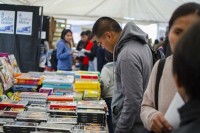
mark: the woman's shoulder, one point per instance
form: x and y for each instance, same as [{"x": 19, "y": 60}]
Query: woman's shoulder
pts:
[{"x": 61, "y": 41}]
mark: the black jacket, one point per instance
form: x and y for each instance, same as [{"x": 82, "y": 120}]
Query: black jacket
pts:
[
  {"x": 101, "y": 61},
  {"x": 93, "y": 52},
  {"x": 190, "y": 117}
]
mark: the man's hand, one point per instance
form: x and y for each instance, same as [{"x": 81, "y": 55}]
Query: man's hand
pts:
[{"x": 159, "y": 124}]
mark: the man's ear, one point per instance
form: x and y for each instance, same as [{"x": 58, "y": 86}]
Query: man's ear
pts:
[{"x": 108, "y": 34}]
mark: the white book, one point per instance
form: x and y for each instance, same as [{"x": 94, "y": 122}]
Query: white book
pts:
[{"x": 172, "y": 115}]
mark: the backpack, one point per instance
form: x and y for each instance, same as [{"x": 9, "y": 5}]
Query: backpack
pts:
[
  {"x": 156, "y": 55},
  {"x": 54, "y": 60}
]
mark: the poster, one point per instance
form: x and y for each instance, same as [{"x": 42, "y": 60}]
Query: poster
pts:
[
  {"x": 7, "y": 21},
  {"x": 24, "y": 23}
]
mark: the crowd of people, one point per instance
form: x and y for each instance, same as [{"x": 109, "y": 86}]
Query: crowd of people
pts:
[
  {"x": 138, "y": 92},
  {"x": 91, "y": 59}
]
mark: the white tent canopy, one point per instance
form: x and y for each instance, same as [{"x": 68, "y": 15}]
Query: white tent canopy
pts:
[{"x": 122, "y": 10}]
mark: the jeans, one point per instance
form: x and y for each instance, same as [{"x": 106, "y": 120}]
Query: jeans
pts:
[{"x": 91, "y": 66}]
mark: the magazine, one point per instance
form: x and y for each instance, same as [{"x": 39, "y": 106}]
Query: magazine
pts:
[
  {"x": 14, "y": 64},
  {"x": 6, "y": 74}
]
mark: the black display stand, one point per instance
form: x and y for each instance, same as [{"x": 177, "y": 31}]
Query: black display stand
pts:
[{"x": 26, "y": 48}]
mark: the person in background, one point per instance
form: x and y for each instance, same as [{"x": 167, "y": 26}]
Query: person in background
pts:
[
  {"x": 81, "y": 42},
  {"x": 101, "y": 61},
  {"x": 152, "y": 112},
  {"x": 79, "y": 47},
  {"x": 133, "y": 66},
  {"x": 64, "y": 52},
  {"x": 87, "y": 46},
  {"x": 107, "y": 78},
  {"x": 92, "y": 54},
  {"x": 156, "y": 42},
  {"x": 186, "y": 71}
]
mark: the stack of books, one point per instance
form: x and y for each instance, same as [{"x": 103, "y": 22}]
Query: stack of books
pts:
[
  {"x": 82, "y": 85},
  {"x": 28, "y": 82},
  {"x": 63, "y": 110},
  {"x": 89, "y": 129},
  {"x": 19, "y": 127},
  {"x": 87, "y": 75},
  {"x": 59, "y": 83},
  {"x": 90, "y": 89},
  {"x": 52, "y": 127},
  {"x": 91, "y": 112},
  {"x": 37, "y": 107},
  {"x": 34, "y": 97},
  {"x": 65, "y": 107},
  {"x": 30, "y": 116}
]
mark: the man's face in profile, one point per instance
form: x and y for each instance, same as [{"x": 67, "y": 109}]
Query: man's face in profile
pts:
[{"x": 107, "y": 41}]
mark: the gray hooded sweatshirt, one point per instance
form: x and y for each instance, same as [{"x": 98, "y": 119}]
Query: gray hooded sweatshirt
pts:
[{"x": 133, "y": 67}]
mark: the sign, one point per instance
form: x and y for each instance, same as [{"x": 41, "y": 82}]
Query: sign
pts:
[
  {"x": 24, "y": 23},
  {"x": 7, "y": 20}
]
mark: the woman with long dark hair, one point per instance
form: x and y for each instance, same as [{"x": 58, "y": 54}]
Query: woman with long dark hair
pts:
[
  {"x": 155, "y": 103},
  {"x": 64, "y": 51}
]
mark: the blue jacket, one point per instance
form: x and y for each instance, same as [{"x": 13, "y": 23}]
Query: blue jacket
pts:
[{"x": 63, "y": 55}]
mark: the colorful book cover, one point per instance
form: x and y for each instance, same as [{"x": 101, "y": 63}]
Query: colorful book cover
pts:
[
  {"x": 60, "y": 98},
  {"x": 14, "y": 64},
  {"x": 14, "y": 104},
  {"x": 30, "y": 79},
  {"x": 6, "y": 73},
  {"x": 58, "y": 79},
  {"x": 97, "y": 104},
  {"x": 68, "y": 105}
]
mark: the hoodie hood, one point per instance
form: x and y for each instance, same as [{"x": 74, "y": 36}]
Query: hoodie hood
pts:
[{"x": 130, "y": 32}]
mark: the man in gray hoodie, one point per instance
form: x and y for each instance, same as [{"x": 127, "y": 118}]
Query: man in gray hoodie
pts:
[{"x": 133, "y": 67}]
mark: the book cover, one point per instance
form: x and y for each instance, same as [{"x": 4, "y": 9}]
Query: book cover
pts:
[
  {"x": 32, "y": 116},
  {"x": 14, "y": 104},
  {"x": 62, "y": 120},
  {"x": 6, "y": 74},
  {"x": 97, "y": 104},
  {"x": 55, "y": 127},
  {"x": 60, "y": 98},
  {"x": 37, "y": 107},
  {"x": 14, "y": 64},
  {"x": 67, "y": 105}
]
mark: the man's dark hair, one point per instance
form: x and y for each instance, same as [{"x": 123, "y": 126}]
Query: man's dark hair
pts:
[
  {"x": 105, "y": 24},
  {"x": 186, "y": 61},
  {"x": 83, "y": 33}
]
